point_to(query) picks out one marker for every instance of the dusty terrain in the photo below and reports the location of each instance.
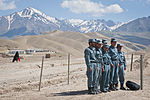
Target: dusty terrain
(19, 81)
(61, 42)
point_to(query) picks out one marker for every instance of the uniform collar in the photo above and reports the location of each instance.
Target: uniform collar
(91, 47)
(112, 46)
(119, 51)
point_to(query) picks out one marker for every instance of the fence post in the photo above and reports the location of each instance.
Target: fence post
(68, 66)
(141, 71)
(41, 73)
(131, 62)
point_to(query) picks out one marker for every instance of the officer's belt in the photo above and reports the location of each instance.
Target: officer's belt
(106, 63)
(93, 61)
(114, 59)
(121, 63)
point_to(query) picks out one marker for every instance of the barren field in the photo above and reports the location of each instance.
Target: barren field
(20, 81)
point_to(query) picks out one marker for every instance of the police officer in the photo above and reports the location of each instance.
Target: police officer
(104, 41)
(114, 66)
(105, 69)
(99, 64)
(122, 66)
(90, 59)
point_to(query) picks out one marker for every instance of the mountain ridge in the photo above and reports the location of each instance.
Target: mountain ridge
(30, 21)
(34, 21)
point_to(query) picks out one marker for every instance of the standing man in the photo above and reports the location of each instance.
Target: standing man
(90, 59)
(99, 64)
(104, 41)
(122, 66)
(105, 69)
(114, 67)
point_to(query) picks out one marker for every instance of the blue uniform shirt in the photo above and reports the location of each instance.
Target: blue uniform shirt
(122, 59)
(106, 58)
(113, 53)
(99, 55)
(89, 55)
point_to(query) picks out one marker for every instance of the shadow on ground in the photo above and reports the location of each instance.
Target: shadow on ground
(82, 92)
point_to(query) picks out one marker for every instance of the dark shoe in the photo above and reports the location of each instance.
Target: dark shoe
(116, 87)
(108, 90)
(98, 91)
(92, 91)
(104, 91)
(122, 88)
(111, 88)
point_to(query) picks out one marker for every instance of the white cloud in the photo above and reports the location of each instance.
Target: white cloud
(148, 1)
(140, 1)
(115, 8)
(5, 5)
(90, 7)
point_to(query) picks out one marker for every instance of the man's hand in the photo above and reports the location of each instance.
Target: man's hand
(112, 65)
(103, 69)
(90, 69)
(125, 68)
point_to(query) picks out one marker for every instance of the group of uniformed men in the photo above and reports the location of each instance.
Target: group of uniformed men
(105, 64)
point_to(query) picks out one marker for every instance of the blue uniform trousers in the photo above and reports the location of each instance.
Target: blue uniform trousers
(105, 78)
(99, 75)
(92, 76)
(121, 74)
(114, 73)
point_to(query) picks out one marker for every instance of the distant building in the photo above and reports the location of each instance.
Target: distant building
(14, 51)
(29, 51)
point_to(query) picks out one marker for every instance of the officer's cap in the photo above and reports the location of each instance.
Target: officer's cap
(106, 45)
(92, 40)
(119, 45)
(99, 42)
(113, 40)
(104, 40)
(96, 40)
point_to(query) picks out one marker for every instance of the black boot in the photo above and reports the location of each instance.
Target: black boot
(94, 90)
(98, 91)
(91, 90)
(116, 86)
(122, 87)
(108, 90)
(111, 88)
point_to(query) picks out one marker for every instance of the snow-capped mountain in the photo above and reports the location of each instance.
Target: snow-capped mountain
(137, 25)
(31, 21)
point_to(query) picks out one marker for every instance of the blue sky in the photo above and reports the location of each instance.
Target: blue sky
(116, 10)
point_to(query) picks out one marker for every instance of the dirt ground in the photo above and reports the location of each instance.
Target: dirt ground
(20, 81)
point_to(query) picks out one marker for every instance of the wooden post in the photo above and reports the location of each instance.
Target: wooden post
(41, 73)
(131, 62)
(141, 71)
(68, 66)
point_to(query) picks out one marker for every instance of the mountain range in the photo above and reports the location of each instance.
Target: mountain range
(31, 22)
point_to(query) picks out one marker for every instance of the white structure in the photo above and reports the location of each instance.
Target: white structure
(14, 51)
(29, 51)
